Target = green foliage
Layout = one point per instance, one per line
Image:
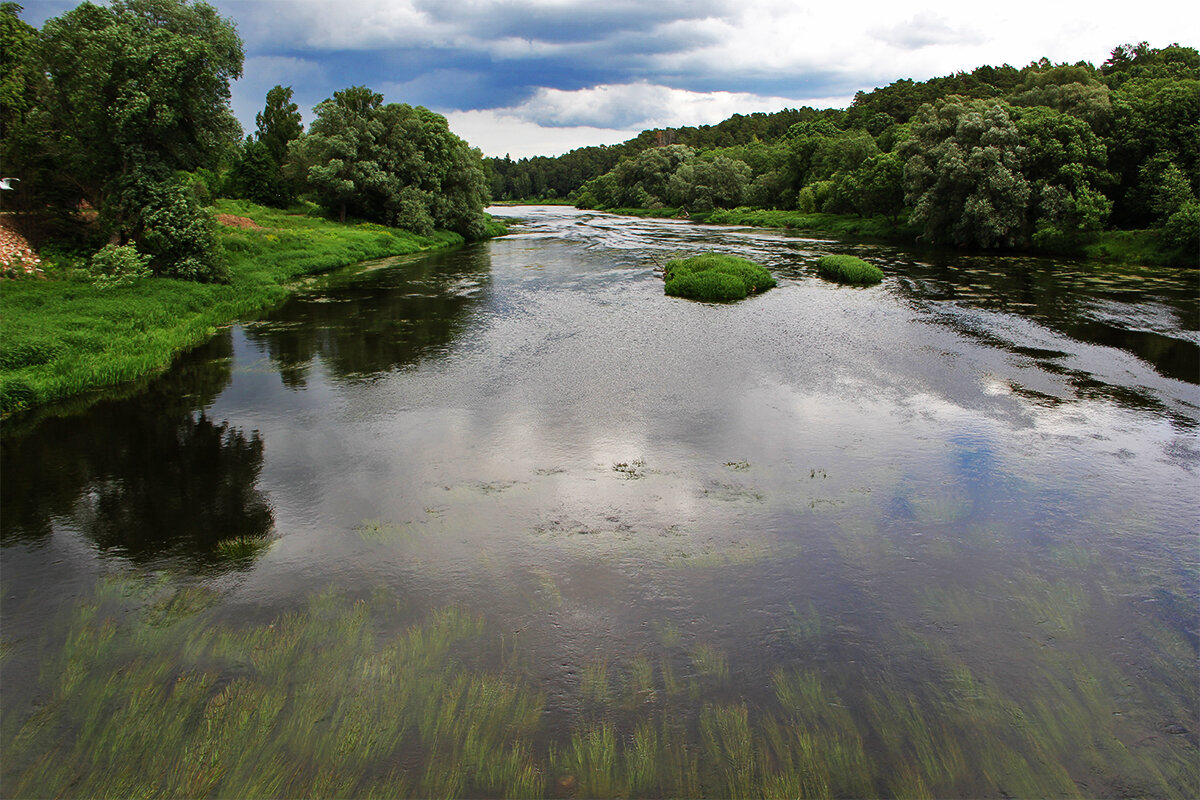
(1048, 155)
(393, 163)
(963, 174)
(279, 123)
(116, 265)
(256, 176)
(140, 86)
(118, 98)
(178, 234)
(1181, 231)
(703, 185)
(849, 269)
(715, 277)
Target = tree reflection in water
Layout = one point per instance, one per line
(146, 477)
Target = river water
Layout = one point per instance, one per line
(934, 537)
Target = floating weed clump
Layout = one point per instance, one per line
(242, 548)
(715, 277)
(632, 470)
(849, 269)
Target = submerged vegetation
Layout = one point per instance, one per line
(149, 693)
(715, 277)
(849, 269)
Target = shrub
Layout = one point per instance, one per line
(715, 277)
(115, 265)
(849, 269)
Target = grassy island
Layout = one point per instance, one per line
(717, 277)
(68, 334)
(849, 269)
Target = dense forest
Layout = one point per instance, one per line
(1043, 156)
(116, 130)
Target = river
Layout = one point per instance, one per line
(507, 520)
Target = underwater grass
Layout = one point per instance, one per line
(715, 277)
(849, 269)
(174, 700)
(65, 336)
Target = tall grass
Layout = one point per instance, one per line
(64, 336)
(849, 269)
(712, 276)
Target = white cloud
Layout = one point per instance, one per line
(640, 106)
(498, 132)
(554, 121)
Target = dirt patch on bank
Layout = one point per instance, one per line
(16, 256)
(234, 221)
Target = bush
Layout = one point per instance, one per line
(116, 265)
(715, 277)
(180, 236)
(1182, 231)
(849, 269)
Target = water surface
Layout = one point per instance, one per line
(937, 536)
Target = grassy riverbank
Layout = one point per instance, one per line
(65, 335)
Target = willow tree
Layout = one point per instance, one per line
(396, 164)
(963, 174)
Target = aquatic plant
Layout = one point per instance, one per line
(176, 701)
(715, 277)
(849, 269)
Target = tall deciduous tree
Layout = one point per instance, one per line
(394, 163)
(132, 92)
(279, 123)
(963, 173)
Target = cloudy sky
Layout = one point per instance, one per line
(540, 77)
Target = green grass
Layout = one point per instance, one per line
(849, 269)
(715, 277)
(64, 336)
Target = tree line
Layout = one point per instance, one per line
(997, 157)
(115, 121)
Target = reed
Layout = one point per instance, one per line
(149, 692)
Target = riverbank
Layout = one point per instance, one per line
(65, 335)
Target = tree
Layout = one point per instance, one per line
(962, 173)
(279, 123)
(1066, 166)
(337, 157)
(256, 176)
(394, 163)
(702, 185)
(643, 181)
(131, 93)
(875, 188)
(1153, 119)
